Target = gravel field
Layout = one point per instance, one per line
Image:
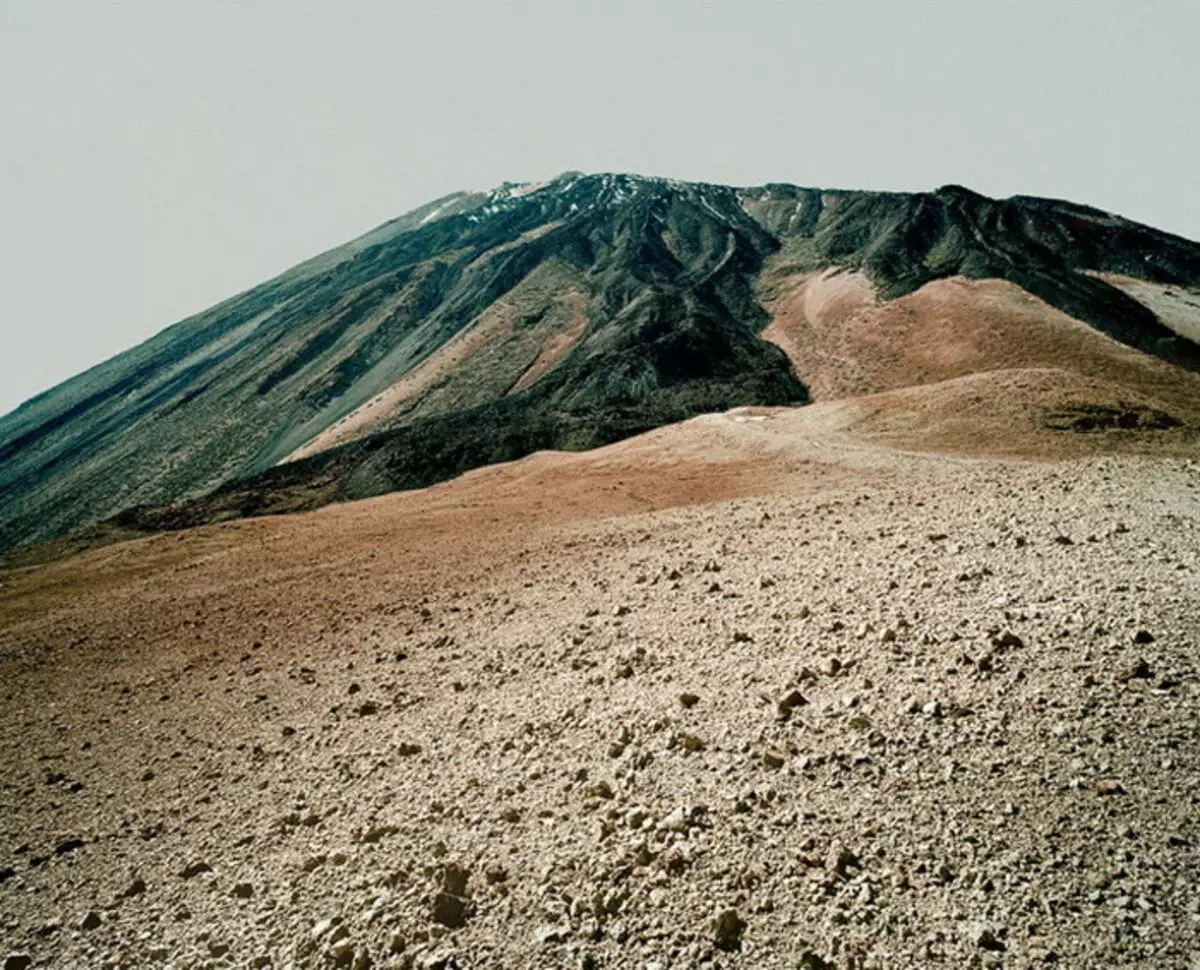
(676, 703)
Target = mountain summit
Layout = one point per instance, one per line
(571, 313)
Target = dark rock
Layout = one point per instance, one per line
(135, 888)
(728, 929)
(455, 879)
(1139, 671)
(451, 907)
(775, 758)
(841, 860)
(1008, 641)
(986, 939)
(68, 845)
(450, 911)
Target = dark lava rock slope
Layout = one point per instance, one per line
(484, 326)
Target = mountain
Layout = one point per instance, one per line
(576, 312)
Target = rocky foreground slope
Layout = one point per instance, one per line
(766, 689)
(576, 312)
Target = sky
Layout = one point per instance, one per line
(159, 156)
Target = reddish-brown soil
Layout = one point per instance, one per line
(844, 343)
(856, 683)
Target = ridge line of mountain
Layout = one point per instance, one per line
(563, 314)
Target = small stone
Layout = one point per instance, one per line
(676, 821)
(68, 845)
(18, 961)
(451, 907)
(548, 934)
(90, 921)
(774, 758)
(406, 750)
(1110, 786)
(455, 879)
(377, 833)
(135, 888)
(689, 700)
(728, 928)
(243, 890)
(832, 667)
(841, 860)
(1139, 671)
(450, 911)
(342, 954)
(789, 703)
(1143, 636)
(986, 939)
(195, 869)
(810, 960)
(495, 875)
(692, 743)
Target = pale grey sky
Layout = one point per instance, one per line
(160, 155)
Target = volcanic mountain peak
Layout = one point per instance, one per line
(572, 312)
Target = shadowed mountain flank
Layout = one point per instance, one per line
(559, 315)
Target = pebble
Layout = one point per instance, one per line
(728, 929)
(774, 758)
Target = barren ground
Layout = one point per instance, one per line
(848, 686)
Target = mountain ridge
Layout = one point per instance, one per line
(562, 314)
